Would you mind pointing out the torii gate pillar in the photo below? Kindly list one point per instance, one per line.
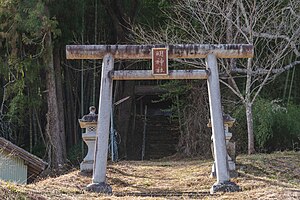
(220, 153)
(105, 104)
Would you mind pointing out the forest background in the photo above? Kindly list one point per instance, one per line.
(43, 95)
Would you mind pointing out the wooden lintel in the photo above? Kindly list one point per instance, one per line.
(147, 75)
(174, 51)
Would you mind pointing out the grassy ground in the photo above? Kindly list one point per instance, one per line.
(262, 176)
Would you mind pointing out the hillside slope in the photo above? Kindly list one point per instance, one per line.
(262, 176)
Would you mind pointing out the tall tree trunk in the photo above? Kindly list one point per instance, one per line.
(57, 143)
(95, 61)
(229, 32)
(248, 104)
(249, 117)
(30, 131)
(71, 136)
(60, 98)
(124, 117)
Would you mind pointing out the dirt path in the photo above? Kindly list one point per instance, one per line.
(263, 176)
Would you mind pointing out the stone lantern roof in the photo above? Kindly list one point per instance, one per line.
(89, 119)
(227, 120)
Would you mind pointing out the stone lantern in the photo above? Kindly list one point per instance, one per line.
(89, 123)
(230, 147)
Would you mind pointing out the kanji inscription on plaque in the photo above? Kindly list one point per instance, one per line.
(160, 61)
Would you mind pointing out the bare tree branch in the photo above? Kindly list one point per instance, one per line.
(264, 70)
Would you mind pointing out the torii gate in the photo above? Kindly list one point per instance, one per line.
(110, 52)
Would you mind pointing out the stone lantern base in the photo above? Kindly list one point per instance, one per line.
(90, 139)
(87, 164)
(230, 147)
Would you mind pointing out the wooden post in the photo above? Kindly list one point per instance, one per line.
(220, 152)
(105, 104)
(144, 133)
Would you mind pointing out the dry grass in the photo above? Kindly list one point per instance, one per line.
(263, 176)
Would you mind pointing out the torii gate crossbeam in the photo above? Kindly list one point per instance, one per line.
(110, 52)
(144, 51)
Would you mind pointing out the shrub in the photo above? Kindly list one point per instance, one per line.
(286, 129)
(275, 127)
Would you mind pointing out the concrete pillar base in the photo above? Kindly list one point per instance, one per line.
(227, 186)
(99, 188)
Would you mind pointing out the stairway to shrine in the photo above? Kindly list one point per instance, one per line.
(162, 136)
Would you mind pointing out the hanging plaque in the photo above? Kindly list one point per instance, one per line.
(160, 61)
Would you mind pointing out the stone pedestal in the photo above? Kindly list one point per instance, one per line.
(99, 188)
(89, 137)
(227, 186)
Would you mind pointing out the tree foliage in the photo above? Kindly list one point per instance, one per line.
(24, 27)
